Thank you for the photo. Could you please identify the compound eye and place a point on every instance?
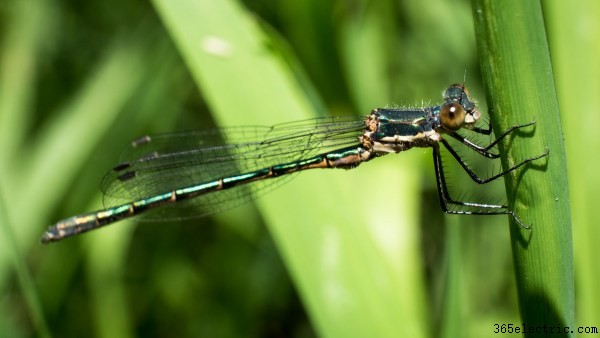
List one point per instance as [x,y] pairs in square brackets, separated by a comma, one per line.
[452,116]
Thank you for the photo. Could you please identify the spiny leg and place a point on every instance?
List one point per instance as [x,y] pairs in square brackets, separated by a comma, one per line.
[480,180]
[485,150]
[446,200]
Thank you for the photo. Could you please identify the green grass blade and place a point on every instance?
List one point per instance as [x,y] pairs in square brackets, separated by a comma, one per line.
[516,67]
[350,267]
[26,283]
[25,37]
[574,31]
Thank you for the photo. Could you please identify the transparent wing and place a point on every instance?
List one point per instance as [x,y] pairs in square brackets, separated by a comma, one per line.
[154,165]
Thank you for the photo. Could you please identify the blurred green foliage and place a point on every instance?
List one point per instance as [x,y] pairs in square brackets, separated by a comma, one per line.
[78,80]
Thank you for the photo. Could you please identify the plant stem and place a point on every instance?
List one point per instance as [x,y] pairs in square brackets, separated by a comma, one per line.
[516,67]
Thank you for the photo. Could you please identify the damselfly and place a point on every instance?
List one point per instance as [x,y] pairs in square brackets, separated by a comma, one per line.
[210,171]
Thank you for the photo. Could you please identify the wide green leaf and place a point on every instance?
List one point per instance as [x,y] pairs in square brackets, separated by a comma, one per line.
[352,257]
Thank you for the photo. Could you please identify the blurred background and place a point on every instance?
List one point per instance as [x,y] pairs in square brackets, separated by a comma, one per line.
[332,253]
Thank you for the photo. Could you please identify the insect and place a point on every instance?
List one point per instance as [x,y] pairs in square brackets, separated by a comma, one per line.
[209,171]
